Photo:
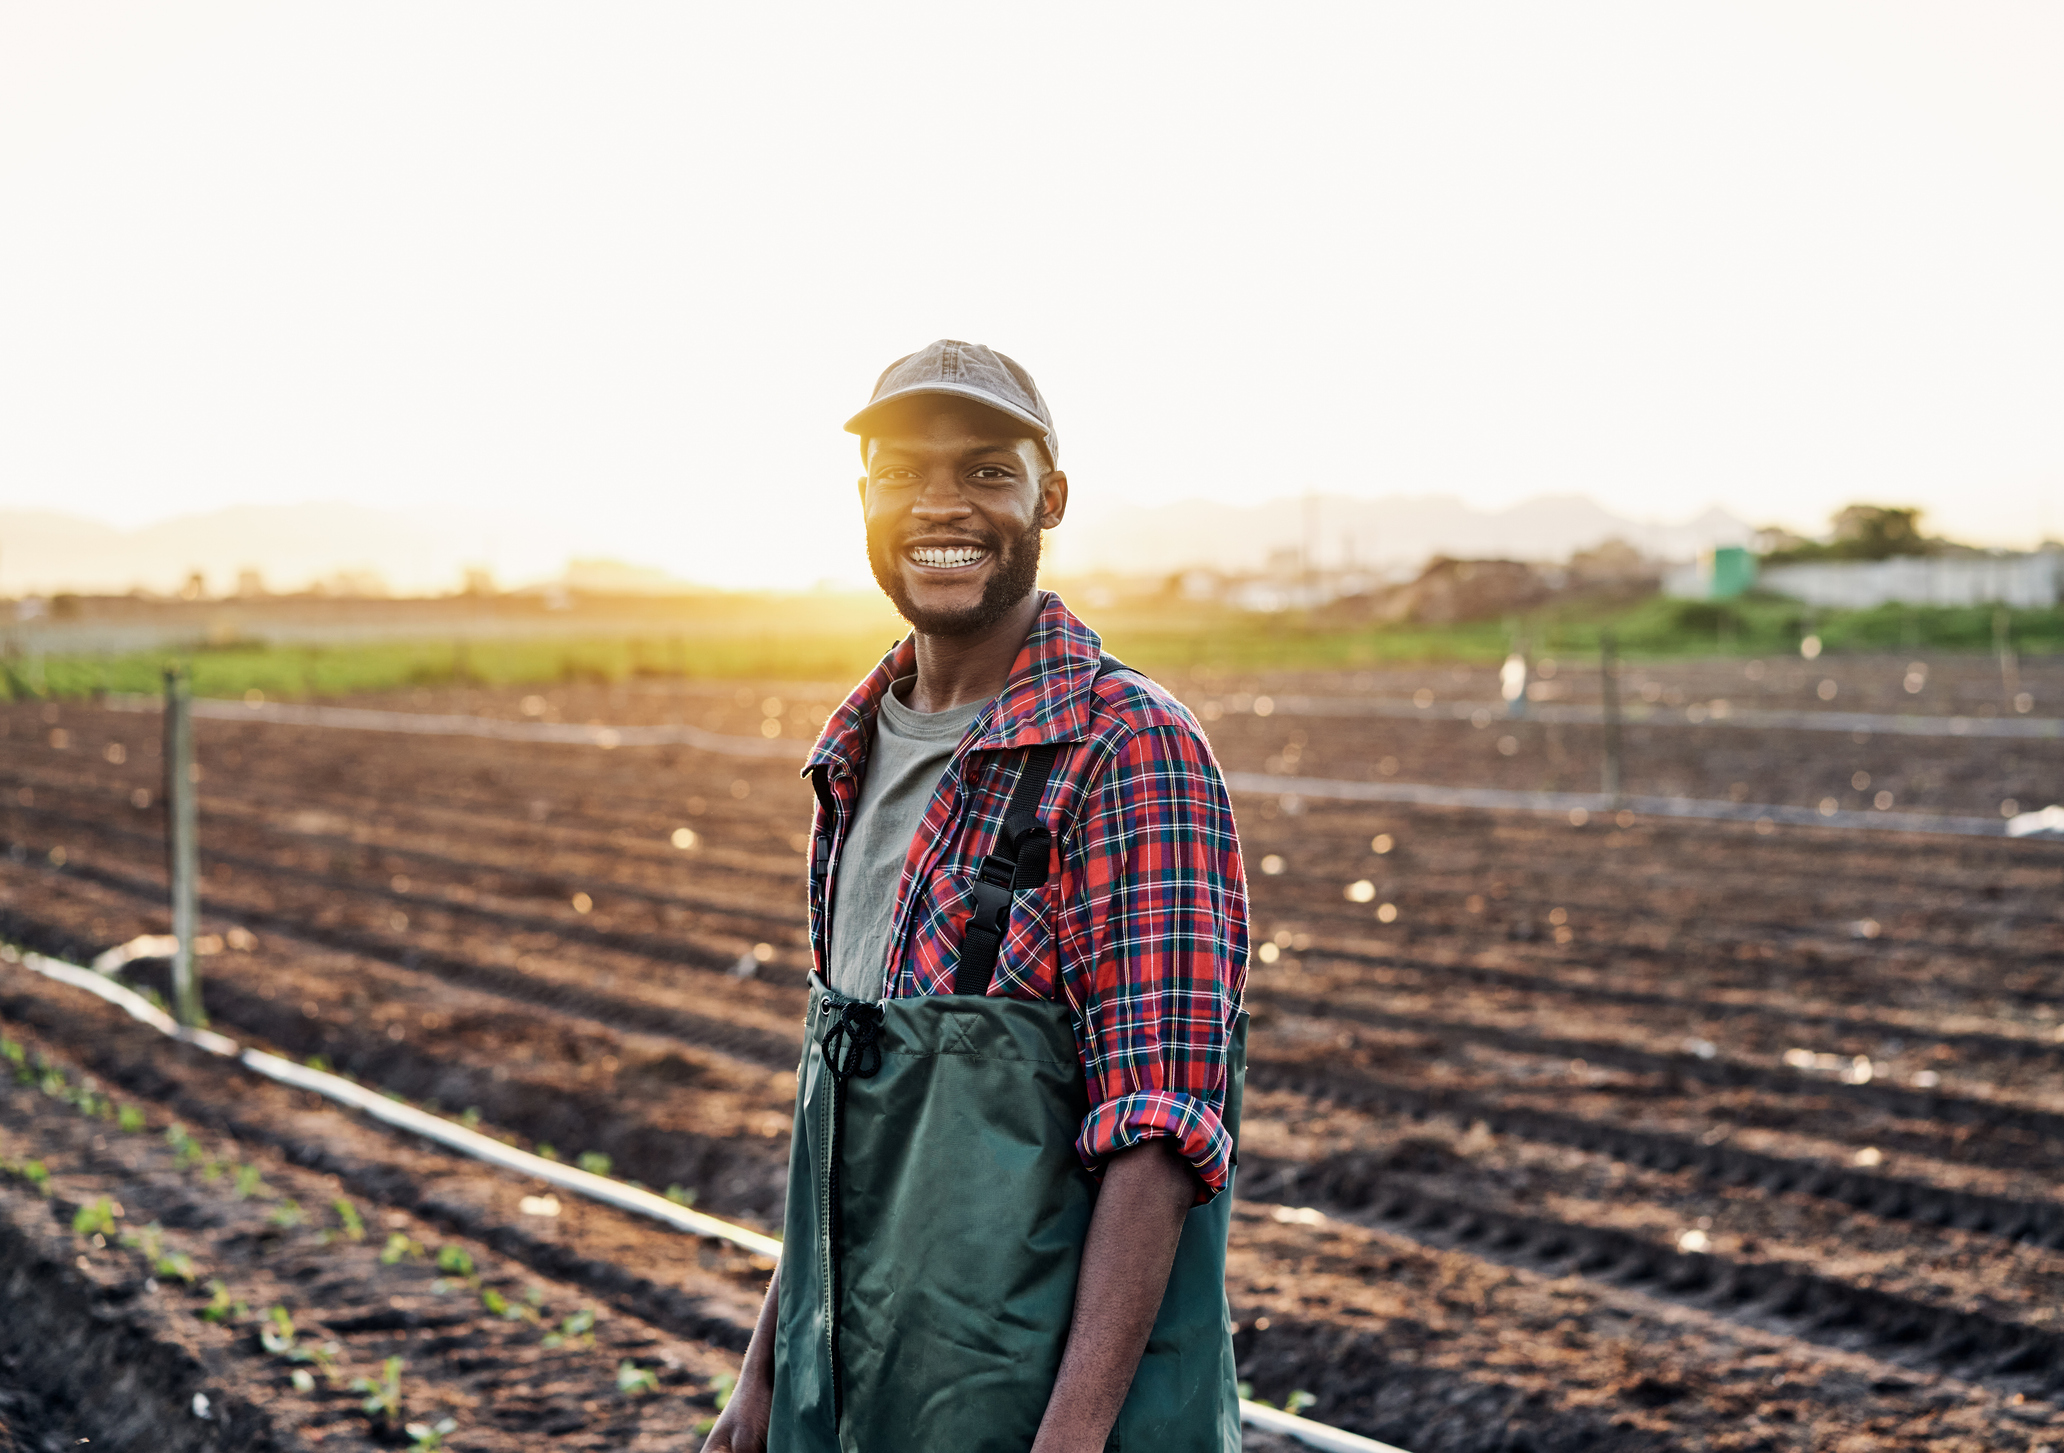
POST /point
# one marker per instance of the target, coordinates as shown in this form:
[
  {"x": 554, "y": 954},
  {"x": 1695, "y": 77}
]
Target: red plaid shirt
[{"x": 1141, "y": 927}]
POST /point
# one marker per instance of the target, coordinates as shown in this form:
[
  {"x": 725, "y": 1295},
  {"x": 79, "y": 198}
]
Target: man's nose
[{"x": 940, "y": 498}]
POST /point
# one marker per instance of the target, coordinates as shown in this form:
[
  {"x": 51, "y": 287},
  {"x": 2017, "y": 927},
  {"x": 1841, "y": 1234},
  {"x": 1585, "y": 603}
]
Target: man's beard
[{"x": 1017, "y": 571}]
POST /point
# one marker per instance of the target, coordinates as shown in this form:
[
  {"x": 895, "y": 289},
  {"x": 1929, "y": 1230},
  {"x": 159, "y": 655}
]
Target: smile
[{"x": 947, "y": 557}]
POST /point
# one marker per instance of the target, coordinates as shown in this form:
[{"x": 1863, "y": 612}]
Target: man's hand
[
  {"x": 742, "y": 1426},
  {"x": 1125, "y": 1263}
]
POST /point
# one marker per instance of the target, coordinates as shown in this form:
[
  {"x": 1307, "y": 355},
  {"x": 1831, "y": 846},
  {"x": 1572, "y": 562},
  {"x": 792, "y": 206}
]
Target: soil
[{"x": 1642, "y": 1136}]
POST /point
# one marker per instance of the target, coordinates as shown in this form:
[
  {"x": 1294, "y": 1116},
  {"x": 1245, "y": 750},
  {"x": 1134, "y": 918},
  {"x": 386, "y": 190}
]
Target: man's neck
[{"x": 959, "y": 670}]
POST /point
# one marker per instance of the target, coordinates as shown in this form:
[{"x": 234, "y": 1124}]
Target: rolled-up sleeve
[{"x": 1165, "y": 915}]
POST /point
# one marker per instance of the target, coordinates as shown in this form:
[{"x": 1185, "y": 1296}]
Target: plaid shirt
[{"x": 1141, "y": 927}]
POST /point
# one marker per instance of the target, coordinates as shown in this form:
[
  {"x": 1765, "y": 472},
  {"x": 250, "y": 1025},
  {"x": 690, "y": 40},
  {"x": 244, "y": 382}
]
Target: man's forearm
[
  {"x": 1147, "y": 1192},
  {"x": 742, "y": 1427}
]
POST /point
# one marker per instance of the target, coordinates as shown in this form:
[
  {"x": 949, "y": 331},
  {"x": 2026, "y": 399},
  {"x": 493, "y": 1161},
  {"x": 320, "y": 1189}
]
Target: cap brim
[{"x": 858, "y": 423}]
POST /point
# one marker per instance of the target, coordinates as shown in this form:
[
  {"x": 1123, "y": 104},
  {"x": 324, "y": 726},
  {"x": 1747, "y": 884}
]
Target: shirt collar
[{"x": 1045, "y": 698}]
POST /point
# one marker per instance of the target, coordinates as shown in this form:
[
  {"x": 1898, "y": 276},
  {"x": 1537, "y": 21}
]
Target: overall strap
[
  {"x": 1022, "y": 849},
  {"x": 1023, "y": 846}
]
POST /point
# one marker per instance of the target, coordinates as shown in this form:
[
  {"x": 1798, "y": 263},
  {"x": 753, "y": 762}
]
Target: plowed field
[{"x": 1628, "y": 1135}]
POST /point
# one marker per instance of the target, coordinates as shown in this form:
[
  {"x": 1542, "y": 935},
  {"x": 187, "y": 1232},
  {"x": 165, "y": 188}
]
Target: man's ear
[
  {"x": 863, "y": 494},
  {"x": 1053, "y": 499}
]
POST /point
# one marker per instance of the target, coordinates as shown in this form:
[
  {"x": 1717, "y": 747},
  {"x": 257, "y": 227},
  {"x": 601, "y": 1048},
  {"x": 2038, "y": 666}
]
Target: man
[{"x": 1010, "y": 1176}]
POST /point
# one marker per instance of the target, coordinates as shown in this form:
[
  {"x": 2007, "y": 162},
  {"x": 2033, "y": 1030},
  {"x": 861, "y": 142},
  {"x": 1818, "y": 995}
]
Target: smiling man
[{"x": 1011, "y": 1171}]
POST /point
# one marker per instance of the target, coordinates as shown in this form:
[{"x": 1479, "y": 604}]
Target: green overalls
[{"x": 936, "y": 1216}]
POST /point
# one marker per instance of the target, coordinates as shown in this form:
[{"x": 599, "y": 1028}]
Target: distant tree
[{"x": 1863, "y": 532}]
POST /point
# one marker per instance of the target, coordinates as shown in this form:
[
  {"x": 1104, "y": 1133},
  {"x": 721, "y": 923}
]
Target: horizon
[{"x": 1773, "y": 260}]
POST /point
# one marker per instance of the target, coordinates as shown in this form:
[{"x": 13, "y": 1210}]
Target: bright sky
[{"x": 628, "y": 267}]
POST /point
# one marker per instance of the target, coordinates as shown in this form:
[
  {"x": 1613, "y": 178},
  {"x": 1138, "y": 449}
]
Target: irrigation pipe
[
  {"x": 581, "y": 1183},
  {"x": 1697, "y": 713},
  {"x": 355, "y": 718},
  {"x": 1600, "y": 805}
]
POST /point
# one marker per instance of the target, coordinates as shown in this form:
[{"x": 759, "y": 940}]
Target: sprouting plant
[
  {"x": 427, "y": 1436},
  {"x": 594, "y": 1162},
  {"x": 150, "y": 1241},
  {"x": 494, "y": 1301},
  {"x": 454, "y": 1261},
  {"x": 721, "y": 1387},
  {"x": 303, "y": 1380},
  {"x": 1297, "y": 1402},
  {"x": 221, "y": 1307},
  {"x": 276, "y": 1333},
  {"x": 95, "y": 1218},
  {"x": 382, "y": 1397},
  {"x": 34, "y": 1172},
  {"x": 679, "y": 1196},
  {"x": 470, "y": 1117},
  {"x": 130, "y": 1119},
  {"x": 176, "y": 1265},
  {"x": 399, "y": 1247},
  {"x": 546, "y": 1151},
  {"x": 634, "y": 1379},
  {"x": 317, "y": 1063},
  {"x": 249, "y": 1182},
  {"x": 354, "y": 1224},
  {"x": 534, "y": 1295},
  {"x": 577, "y": 1330},
  {"x": 287, "y": 1215},
  {"x": 10, "y": 1051},
  {"x": 185, "y": 1149}
]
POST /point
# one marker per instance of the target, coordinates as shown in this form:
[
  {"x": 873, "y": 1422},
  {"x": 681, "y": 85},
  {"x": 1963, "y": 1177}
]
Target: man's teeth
[{"x": 947, "y": 556}]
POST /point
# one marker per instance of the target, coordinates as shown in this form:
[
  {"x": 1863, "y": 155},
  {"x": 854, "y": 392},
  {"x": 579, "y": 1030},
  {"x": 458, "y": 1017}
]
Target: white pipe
[
  {"x": 1597, "y": 804},
  {"x": 581, "y": 1183}
]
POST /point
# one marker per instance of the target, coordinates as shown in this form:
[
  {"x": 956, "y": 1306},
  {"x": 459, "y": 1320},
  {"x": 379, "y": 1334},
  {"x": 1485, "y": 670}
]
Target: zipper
[{"x": 849, "y": 1047}]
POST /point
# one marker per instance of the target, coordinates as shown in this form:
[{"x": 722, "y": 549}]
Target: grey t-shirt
[{"x": 910, "y": 753}]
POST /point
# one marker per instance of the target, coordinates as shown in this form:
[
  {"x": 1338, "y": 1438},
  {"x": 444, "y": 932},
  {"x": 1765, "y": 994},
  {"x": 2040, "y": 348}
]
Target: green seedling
[
  {"x": 425, "y": 1436},
  {"x": 634, "y": 1379},
  {"x": 594, "y": 1162},
  {"x": 221, "y": 1307},
  {"x": 500, "y": 1306},
  {"x": 33, "y": 1171},
  {"x": 453, "y": 1261},
  {"x": 95, "y": 1218},
  {"x": 398, "y": 1248},
  {"x": 470, "y": 1117},
  {"x": 150, "y": 1241},
  {"x": 679, "y": 1196},
  {"x": 211, "y": 1171},
  {"x": 354, "y": 1224},
  {"x": 1297, "y": 1402},
  {"x": 577, "y": 1330},
  {"x": 317, "y": 1063},
  {"x": 176, "y": 1266},
  {"x": 249, "y": 1182},
  {"x": 721, "y": 1387},
  {"x": 534, "y": 1295},
  {"x": 185, "y": 1149},
  {"x": 10, "y": 1051},
  {"x": 303, "y": 1380},
  {"x": 287, "y": 1215},
  {"x": 546, "y": 1151},
  {"x": 130, "y": 1119},
  {"x": 382, "y": 1398},
  {"x": 276, "y": 1333}
]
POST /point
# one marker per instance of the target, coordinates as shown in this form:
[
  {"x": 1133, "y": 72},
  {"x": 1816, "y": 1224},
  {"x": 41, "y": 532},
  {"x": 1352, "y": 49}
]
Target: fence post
[
  {"x": 182, "y": 845},
  {"x": 2010, "y": 665},
  {"x": 1609, "y": 695}
]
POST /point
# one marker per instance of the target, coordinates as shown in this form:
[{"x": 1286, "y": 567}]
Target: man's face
[{"x": 955, "y": 497}]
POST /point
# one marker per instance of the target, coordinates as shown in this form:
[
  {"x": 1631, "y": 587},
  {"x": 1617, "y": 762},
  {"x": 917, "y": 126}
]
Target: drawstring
[{"x": 849, "y": 1045}]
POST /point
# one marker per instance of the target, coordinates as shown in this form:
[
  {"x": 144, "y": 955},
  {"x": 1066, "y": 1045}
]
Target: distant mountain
[
  {"x": 291, "y": 546},
  {"x": 1394, "y": 532}
]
